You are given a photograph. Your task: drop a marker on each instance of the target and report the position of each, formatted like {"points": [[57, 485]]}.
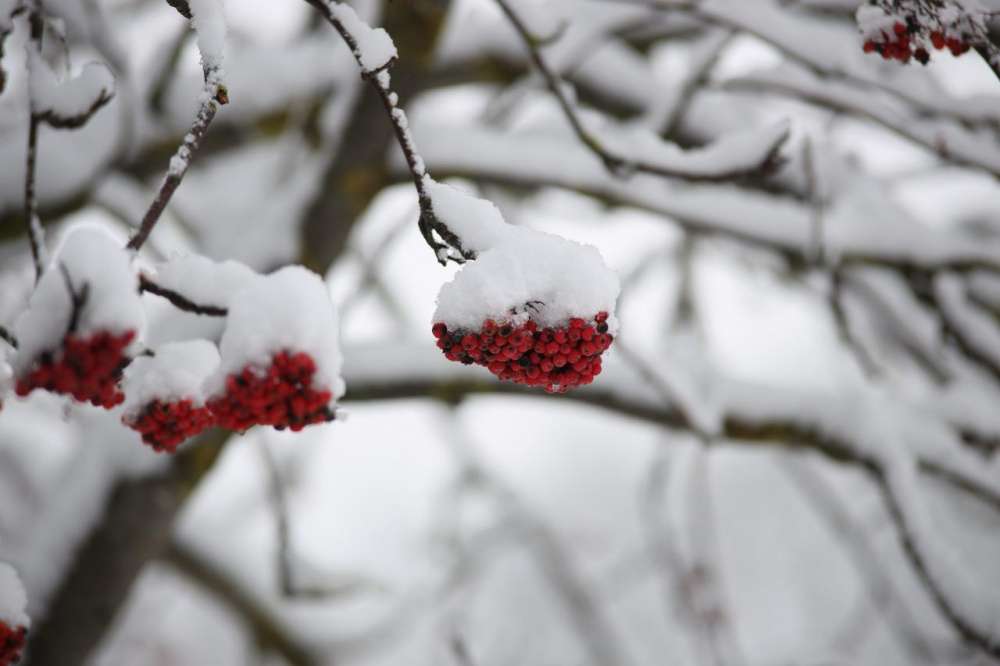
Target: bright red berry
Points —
{"points": [[556, 359], [87, 368], [12, 640], [164, 425], [282, 395]]}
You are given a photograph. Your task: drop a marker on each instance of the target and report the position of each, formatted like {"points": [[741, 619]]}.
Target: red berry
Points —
{"points": [[556, 359], [283, 395], [164, 425], [937, 40], [12, 640], [86, 368]]}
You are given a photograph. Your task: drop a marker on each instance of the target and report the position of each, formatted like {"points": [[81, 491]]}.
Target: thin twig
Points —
{"points": [[36, 235], [617, 163], [217, 579], [78, 299], [429, 223], [8, 337], [877, 582], [214, 94], [668, 561], [971, 634], [180, 301]]}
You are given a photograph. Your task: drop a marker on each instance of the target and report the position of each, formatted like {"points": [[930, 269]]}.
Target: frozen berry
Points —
{"points": [[282, 395], [12, 640], [164, 425], [87, 368], [555, 359]]}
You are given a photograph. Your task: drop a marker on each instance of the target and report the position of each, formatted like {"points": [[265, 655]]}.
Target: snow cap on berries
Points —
{"points": [[94, 257], [291, 311], [176, 371], [202, 280], [478, 222], [874, 21], [530, 274], [13, 600]]}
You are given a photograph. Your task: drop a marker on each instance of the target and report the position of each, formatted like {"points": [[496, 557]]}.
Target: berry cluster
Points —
{"points": [[555, 358], [281, 396], [905, 42], [11, 643], [164, 425], [88, 368]]}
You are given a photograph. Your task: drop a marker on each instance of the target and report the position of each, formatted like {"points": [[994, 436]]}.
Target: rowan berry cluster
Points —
{"points": [[555, 358], [87, 368], [282, 396], [12, 641], [165, 424], [901, 45], [913, 30]]}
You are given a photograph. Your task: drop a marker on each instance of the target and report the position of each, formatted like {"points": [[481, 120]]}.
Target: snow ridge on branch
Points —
{"points": [[731, 157], [209, 24]]}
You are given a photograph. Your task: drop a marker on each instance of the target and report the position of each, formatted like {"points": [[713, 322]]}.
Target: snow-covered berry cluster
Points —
{"points": [[82, 323], [85, 367], [282, 395], [12, 641], [912, 29], [533, 308], [556, 358], [83, 335]]}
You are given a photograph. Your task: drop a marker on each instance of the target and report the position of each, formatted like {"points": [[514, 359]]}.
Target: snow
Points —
{"points": [[288, 310], [735, 152], [69, 98], [374, 45], [92, 256], [526, 273], [477, 222], [6, 373], [13, 600], [209, 22], [977, 604], [177, 370], [974, 325], [6, 7], [202, 280], [874, 22]]}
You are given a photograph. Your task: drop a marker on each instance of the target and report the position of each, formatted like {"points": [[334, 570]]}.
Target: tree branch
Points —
{"points": [[429, 223], [266, 628], [134, 529], [214, 94], [618, 163], [180, 301]]}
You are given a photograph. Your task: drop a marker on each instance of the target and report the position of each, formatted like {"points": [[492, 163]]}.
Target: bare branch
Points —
{"points": [[182, 7], [36, 235], [214, 578], [180, 301], [8, 337]]}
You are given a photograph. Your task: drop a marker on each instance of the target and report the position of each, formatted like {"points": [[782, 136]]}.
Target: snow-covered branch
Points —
{"points": [[210, 26], [729, 158], [375, 53]]}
